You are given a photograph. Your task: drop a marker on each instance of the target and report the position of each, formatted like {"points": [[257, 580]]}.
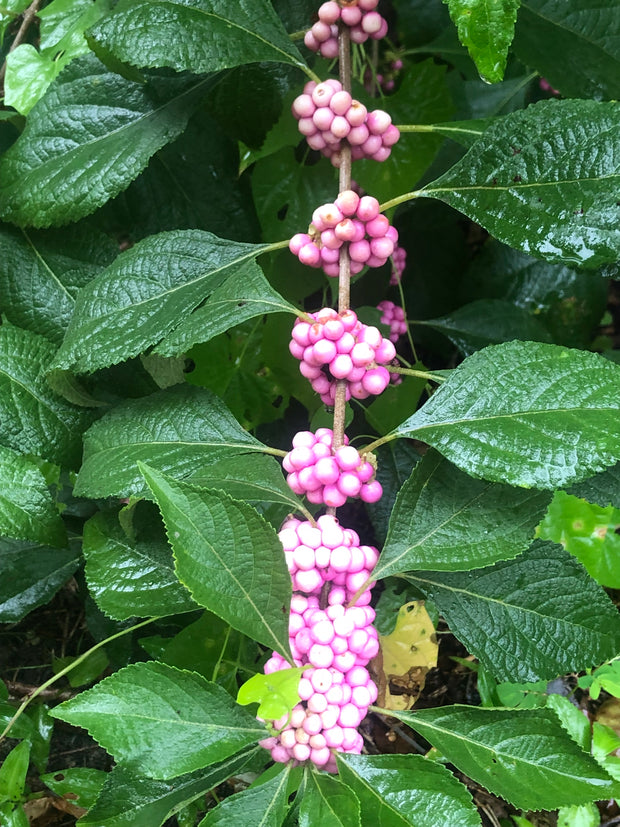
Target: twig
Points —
{"points": [[29, 16]]}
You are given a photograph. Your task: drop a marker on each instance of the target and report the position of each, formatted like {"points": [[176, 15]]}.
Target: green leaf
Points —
{"points": [[161, 721], [582, 815], [9, 11], [328, 802], [52, 266], [131, 578], [28, 75], [80, 784], [544, 180], [486, 28], [64, 22], [145, 294], [264, 805], [526, 414], [86, 671], [575, 46], [130, 800], [445, 520], [406, 791], [229, 558], [31, 575], [276, 693], [27, 511], [395, 462], [179, 430], [90, 135], [488, 322], [202, 36], [588, 532], [33, 418], [603, 489], [524, 756], [528, 619], [245, 295], [13, 773]]}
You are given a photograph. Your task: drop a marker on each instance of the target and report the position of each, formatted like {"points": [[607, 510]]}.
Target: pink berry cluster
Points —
{"points": [[350, 219], [338, 346], [360, 17], [394, 316], [327, 115], [336, 642], [327, 476], [399, 262]]}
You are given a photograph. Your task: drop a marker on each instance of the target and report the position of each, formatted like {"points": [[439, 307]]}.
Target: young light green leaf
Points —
{"points": [[276, 693], [525, 413], [544, 180], [328, 802], [131, 800], [131, 578], [202, 36], [406, 791], [147, 292], [31, 574], [522, 755], [444, 519], [486, 28], [13, 773], [27, 511], [229, 558], [28, 74], [161, 721], [90, 135], [528, 619], [64, 22], [33, 419], [264, 805], [179, 430]]}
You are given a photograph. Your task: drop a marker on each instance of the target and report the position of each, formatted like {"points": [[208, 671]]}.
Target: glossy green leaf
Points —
{"points": [[9, 11], [328, 802], [603, 489], [446, 520], [229, 558], [90, 135], [406, 791], [544, 180], [13, 773], [525, 413], [28, 75], [575, 46], [524, 756], [146, 293], [51, 266], [31, 574], [27, 511], [161, 721], [395, 462], [80, 784], [579, 815], [33, 419], [588, 532], [528, 619], [180, 431], [131, 800], [201, 36], [131, 578], [276, 693], [486, 28], [86, 671], [263, 805]]}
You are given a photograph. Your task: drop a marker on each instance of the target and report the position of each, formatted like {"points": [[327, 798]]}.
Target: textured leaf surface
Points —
{"points": [[131, 579], [603, 489], [179, 431], [264, 805], [161, 721], [90, 135], [229, 558], [51, 266], [145, 294], [130, 800], [524, 756], [31, 575], [407, 791], [486, 28], [544, 180], [444, 519], [528, 619], [328, 802], [33, 419], [575, 45], [527, 414], [197, 36], [395, 461], [27, 511]]}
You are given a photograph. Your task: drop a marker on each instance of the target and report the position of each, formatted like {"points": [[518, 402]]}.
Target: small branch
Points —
{"points": [[29, 16], [422, 374], [400, 199]]}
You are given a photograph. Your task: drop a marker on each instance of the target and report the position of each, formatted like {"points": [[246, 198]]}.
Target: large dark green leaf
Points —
{"points": [[444, 519], [197, 36], [328, 802], [544, 180], [180, 431], [90, 135], [603, 489], [528, 619], [263, 805], [524, 413], [395, 462], [161, 721]]}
